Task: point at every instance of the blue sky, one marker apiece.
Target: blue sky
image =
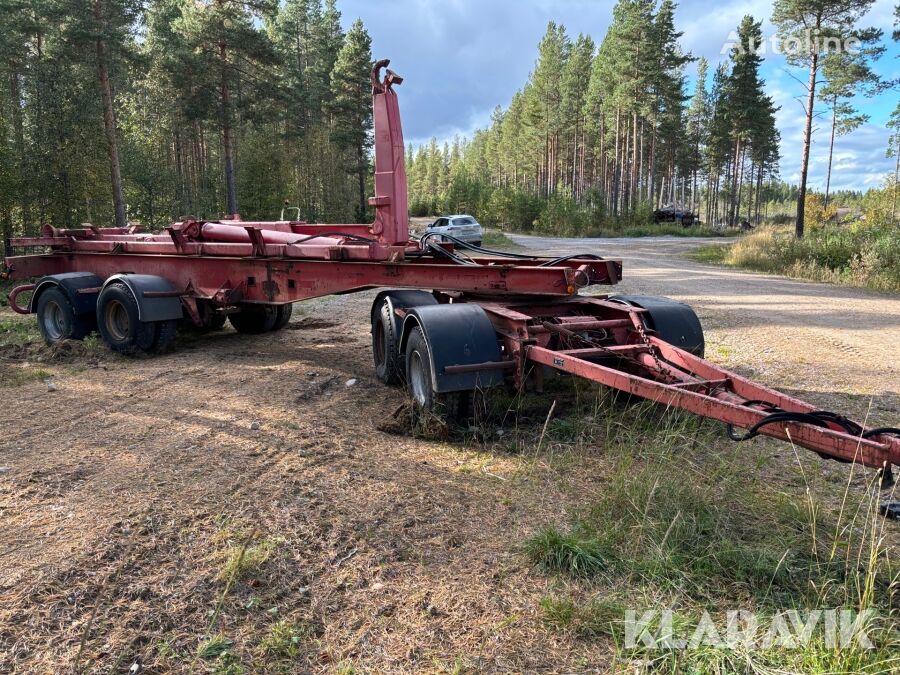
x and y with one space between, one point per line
461 58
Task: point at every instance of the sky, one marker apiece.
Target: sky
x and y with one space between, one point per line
462 58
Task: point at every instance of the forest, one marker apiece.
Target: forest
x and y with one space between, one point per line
601 135
121 111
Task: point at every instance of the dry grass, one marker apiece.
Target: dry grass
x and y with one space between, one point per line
849 255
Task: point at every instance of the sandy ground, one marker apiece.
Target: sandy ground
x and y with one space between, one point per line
122 491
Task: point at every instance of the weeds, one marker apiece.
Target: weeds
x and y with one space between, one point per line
216 646
571 553
853 255
241 562
680 524
284 639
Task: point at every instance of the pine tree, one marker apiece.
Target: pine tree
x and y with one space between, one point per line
847 74
352 105
812 26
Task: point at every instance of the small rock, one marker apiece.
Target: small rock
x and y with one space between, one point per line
51 385
5 469
377 586
350 382
254 425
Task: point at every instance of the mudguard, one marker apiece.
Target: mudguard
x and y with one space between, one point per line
74 285
672 321
150 308
457 334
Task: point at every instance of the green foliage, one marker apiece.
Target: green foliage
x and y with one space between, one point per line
183 74
857 255
284 639
598 138
570 553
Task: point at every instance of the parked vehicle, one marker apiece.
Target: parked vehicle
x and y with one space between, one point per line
459 226
675 213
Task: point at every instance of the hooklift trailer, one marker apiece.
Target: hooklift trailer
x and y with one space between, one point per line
459 317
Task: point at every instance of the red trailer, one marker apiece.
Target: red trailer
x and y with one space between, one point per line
457 318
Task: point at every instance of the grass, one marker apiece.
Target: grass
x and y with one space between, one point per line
682 523
668 230
245 561
215 647
496 239
17 330
569 552
852 255
284 639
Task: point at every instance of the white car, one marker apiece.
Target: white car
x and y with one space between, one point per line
459 226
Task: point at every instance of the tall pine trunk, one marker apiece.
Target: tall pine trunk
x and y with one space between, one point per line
109 120
21 159
831 149
227 142
807 142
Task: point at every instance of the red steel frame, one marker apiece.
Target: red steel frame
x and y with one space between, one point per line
532 302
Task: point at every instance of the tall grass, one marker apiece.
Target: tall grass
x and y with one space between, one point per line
855 255
688 523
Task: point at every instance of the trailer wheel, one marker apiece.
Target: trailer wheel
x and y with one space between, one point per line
385 346
118 322
166 332
284 316
687 220
448 407
57 320
254 319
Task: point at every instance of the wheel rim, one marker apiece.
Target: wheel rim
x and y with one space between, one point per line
116 319
417 380
54 321
378 344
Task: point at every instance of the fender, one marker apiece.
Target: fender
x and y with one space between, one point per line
456 334
81 288
400 299
153 308
673 321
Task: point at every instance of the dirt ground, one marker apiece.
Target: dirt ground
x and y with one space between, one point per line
124 490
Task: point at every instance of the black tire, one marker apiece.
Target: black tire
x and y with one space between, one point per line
448 407
687 221
118 322
254 319
385 347
476 243
57 320
284 316
166 332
